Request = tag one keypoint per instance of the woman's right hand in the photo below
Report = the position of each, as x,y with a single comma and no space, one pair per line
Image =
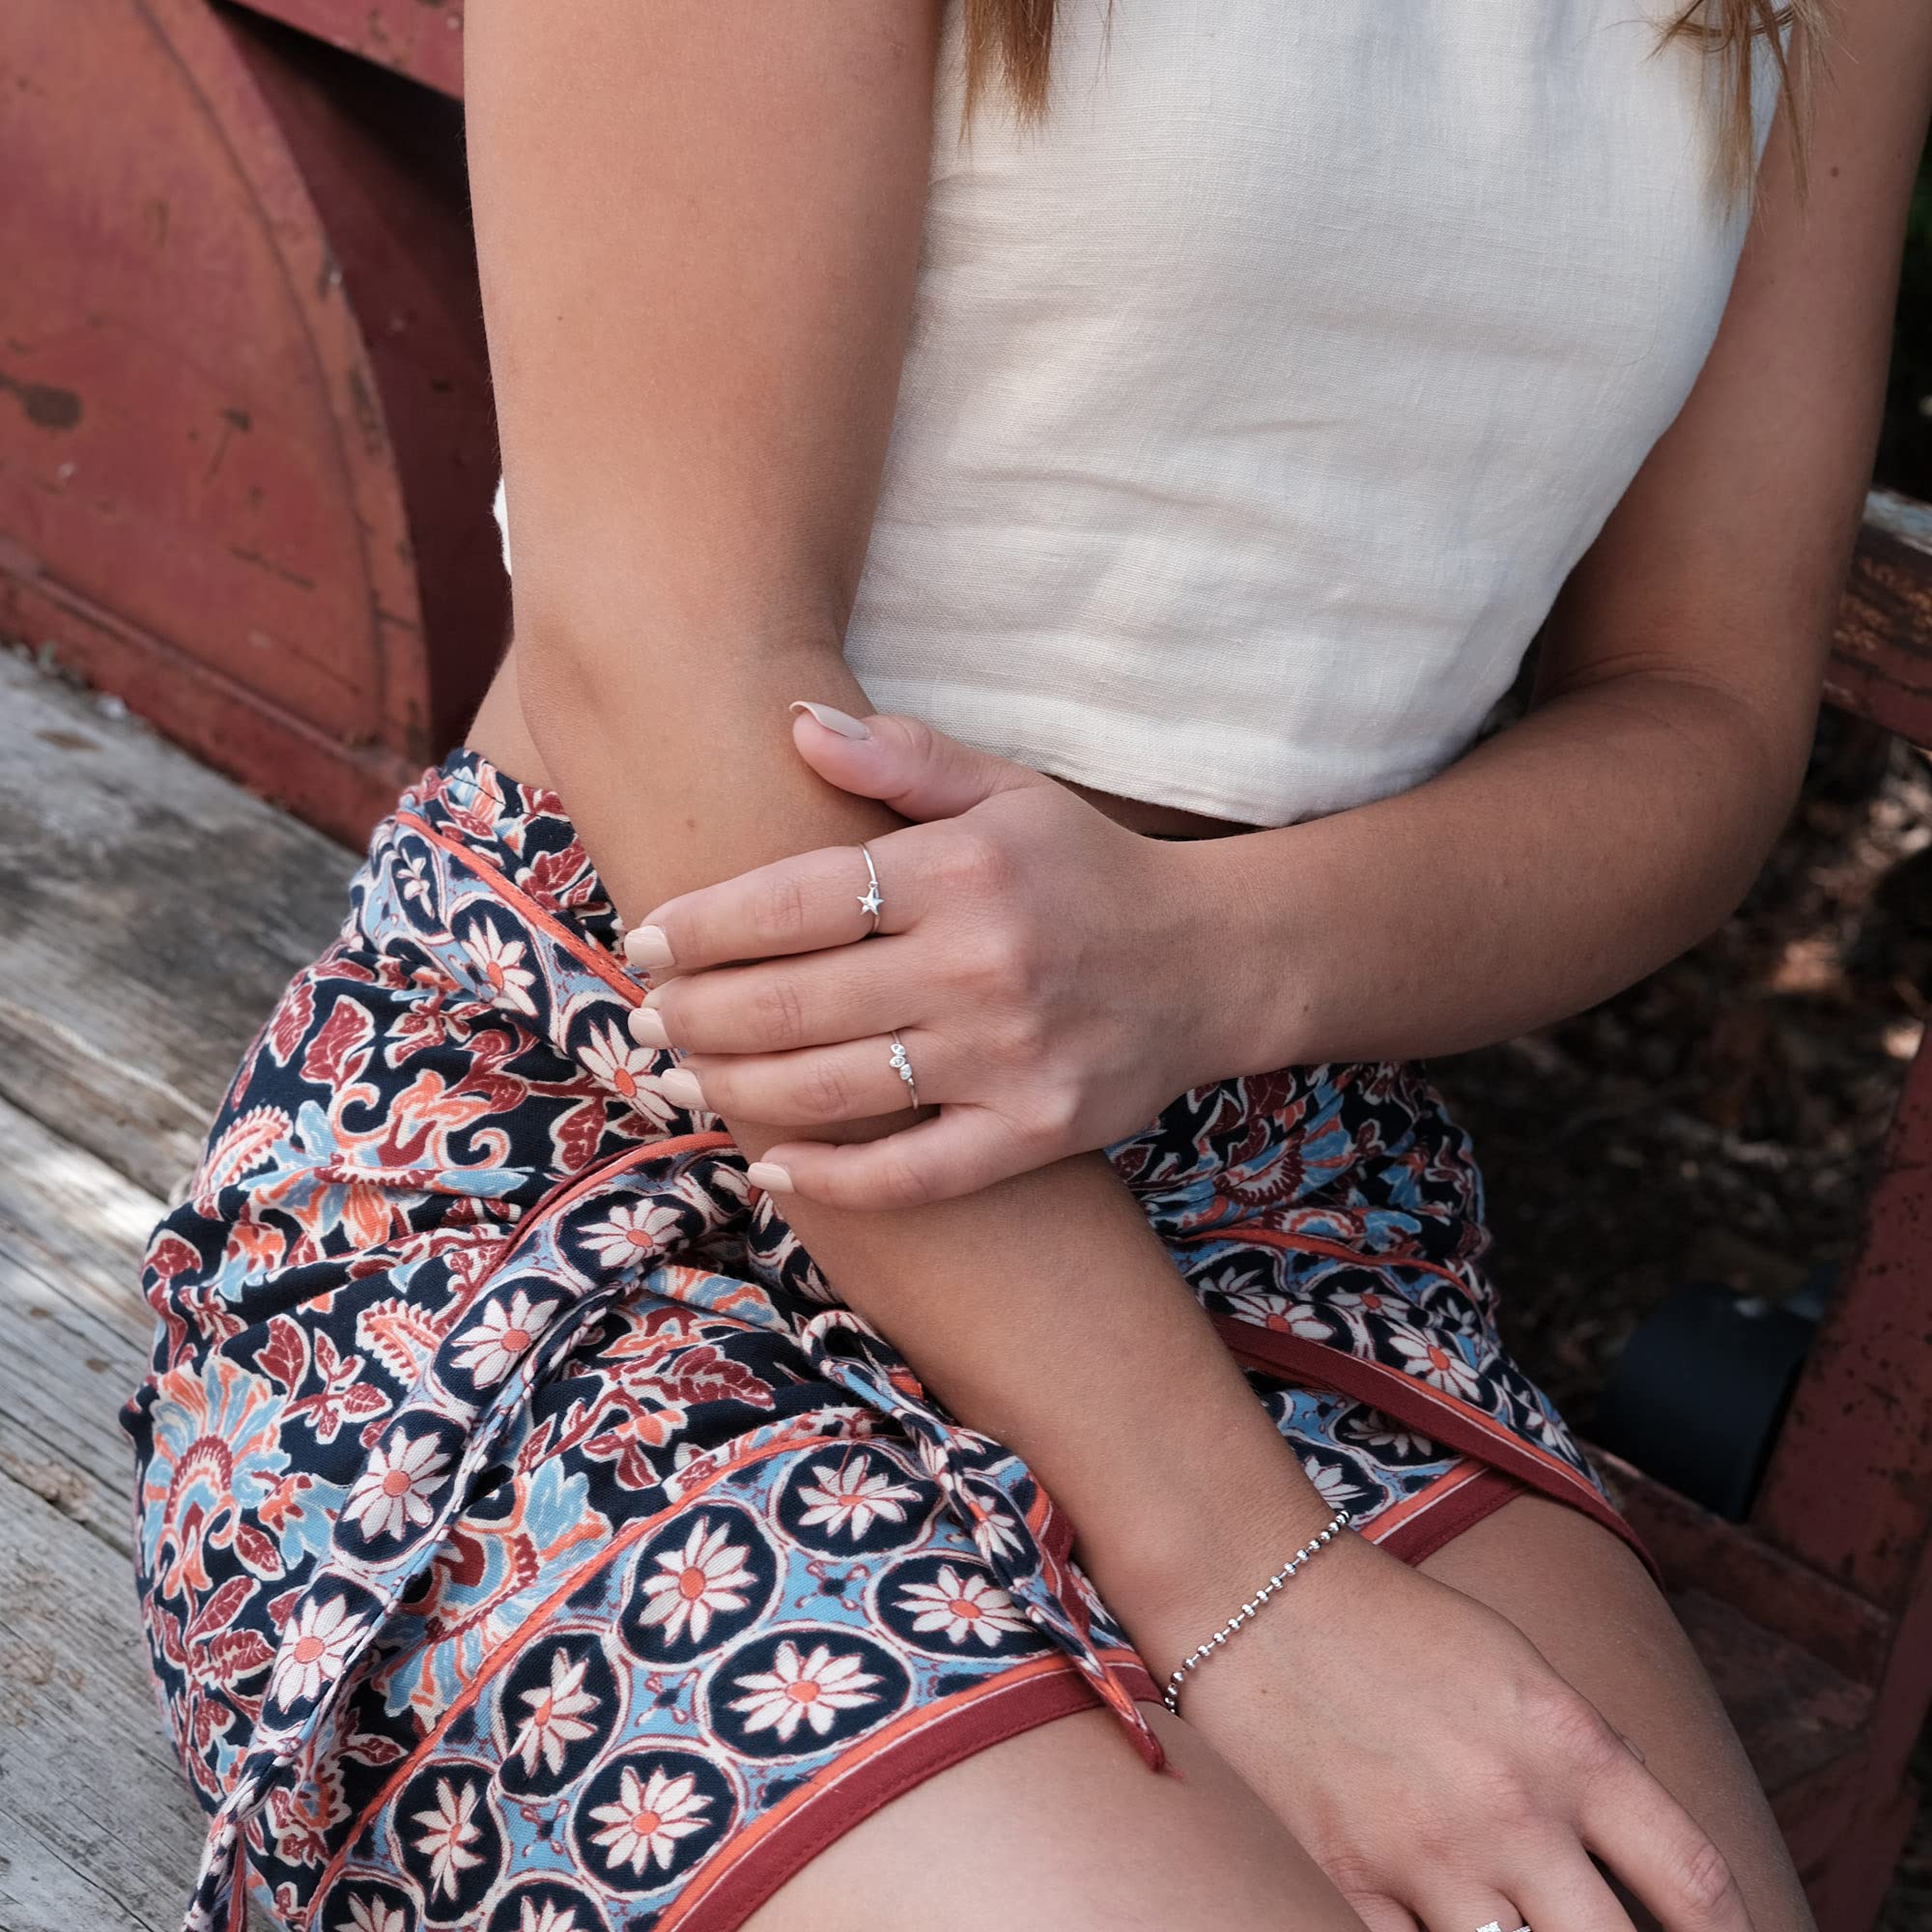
1438,1769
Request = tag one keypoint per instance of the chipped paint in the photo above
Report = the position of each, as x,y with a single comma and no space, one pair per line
46,407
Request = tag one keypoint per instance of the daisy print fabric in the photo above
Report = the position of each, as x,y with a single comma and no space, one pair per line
529,1539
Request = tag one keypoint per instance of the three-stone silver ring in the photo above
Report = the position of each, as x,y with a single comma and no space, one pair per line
903,1068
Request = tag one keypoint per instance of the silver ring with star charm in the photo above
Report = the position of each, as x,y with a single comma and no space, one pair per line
903,1068
870,901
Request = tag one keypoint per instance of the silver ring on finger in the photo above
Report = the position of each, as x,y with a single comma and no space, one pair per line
903,1068
870,901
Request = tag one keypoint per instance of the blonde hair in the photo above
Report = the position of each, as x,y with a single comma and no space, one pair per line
1011,42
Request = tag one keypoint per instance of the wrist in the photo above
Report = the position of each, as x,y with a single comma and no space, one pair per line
1198,1551
1243,991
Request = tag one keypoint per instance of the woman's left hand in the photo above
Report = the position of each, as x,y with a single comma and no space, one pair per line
1042,966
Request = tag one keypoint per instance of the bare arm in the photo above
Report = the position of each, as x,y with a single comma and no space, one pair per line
1618,823
699,226
1625,816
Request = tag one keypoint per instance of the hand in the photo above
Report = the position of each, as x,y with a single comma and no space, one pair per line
1032,957
1440,1771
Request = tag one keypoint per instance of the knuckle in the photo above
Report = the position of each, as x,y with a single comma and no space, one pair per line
974,865
1576,1730
1509,1798
916,737
1054,1114
989,961
777,1013
778,909
902,1182
1703,1878
827,1091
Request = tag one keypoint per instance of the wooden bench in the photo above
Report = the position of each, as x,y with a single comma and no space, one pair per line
245,462
150,914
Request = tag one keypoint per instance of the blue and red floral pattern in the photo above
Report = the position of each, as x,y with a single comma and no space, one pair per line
527,1538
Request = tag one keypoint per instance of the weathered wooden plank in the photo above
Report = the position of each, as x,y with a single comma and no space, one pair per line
85,1223
1881,664
96,1829
59,1391
75,1331
154,913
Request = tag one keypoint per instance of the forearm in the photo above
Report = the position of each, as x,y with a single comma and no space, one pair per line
1005,1301
1558,862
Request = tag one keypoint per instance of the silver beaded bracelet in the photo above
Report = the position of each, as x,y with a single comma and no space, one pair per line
1171,1695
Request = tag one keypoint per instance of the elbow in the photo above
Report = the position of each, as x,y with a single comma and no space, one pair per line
1755,772
621,641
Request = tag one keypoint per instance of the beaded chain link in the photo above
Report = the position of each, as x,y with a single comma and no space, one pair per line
1171,1695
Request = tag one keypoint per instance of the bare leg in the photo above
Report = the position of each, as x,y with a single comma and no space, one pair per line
1065,1828
1583,1599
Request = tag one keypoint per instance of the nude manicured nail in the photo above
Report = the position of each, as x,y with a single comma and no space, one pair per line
647,1027
769,1176
681,1086
646,947
832,719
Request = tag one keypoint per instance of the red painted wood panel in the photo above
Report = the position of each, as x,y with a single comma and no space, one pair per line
246,441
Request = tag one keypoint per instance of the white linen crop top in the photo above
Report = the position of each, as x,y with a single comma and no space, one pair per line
1256,407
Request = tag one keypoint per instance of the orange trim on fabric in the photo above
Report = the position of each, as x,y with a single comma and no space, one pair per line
1432,1411
1396,1515
1313,1244
1454,1503
588,957
750,1866
497,1658
594,1176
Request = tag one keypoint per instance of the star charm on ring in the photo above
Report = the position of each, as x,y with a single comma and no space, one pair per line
869,901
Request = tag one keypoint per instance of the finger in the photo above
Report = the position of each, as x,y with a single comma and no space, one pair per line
1565,1893
1381,1914
852,1080
800,904
955,1151
1449,1908
1658,1851
921,773
775,1006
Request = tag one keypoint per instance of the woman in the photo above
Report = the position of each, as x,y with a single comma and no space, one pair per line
1001,626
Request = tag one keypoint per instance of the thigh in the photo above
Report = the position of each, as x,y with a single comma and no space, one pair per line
1587,1602
1064,1826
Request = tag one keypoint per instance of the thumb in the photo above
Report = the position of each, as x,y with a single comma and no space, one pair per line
902,762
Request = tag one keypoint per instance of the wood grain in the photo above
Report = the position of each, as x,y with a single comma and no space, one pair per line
151,913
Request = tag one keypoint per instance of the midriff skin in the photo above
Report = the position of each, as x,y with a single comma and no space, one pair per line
501,735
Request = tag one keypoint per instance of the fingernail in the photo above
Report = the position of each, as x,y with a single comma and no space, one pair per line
645,947
832,719
647,1027
769,1176
681,1086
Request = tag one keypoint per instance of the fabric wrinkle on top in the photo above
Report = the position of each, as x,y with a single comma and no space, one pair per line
1257,405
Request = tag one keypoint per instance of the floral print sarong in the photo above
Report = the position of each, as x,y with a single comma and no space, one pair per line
527,1538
